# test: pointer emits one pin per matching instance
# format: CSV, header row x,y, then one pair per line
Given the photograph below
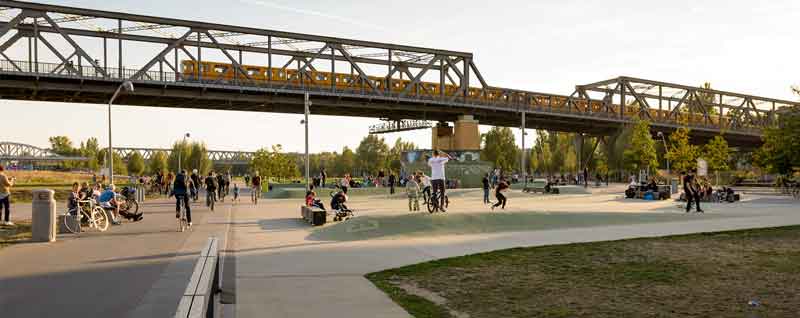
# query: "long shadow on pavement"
x,y
424,224
98,292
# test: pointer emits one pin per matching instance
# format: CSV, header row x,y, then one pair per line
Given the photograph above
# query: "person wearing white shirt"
x,y
437,163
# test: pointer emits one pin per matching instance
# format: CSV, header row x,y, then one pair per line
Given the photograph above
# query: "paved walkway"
x,y
286,269
133,270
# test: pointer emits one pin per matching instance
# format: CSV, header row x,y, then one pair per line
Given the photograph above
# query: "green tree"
x,y
780,152
717,153
198,159
62,145
641,153
274,163
682,155
499,148
136,164
394,159
345,163
371,154
89,149
184,148
158,162
119,165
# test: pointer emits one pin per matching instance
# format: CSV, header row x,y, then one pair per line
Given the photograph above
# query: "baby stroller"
x,y
339,209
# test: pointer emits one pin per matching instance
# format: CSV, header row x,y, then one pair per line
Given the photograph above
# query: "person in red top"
x,y
501,199
312,201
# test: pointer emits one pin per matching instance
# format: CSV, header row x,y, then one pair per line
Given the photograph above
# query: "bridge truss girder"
x,y
216,156
14,151
79,41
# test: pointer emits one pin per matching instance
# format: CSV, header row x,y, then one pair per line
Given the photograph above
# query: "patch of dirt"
x,y
433,297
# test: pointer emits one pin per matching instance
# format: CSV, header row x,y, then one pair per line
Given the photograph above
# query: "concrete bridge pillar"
x,y
464,136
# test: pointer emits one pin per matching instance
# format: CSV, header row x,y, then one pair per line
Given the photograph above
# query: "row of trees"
x,y
372,155
193,155
631,149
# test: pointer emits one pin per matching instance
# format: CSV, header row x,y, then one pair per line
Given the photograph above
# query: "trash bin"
x,y
43,227
673,185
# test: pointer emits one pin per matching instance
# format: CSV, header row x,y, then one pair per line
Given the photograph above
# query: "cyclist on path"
x,y
437,164
181,190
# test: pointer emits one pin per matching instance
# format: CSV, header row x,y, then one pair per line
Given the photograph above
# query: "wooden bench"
x,y
312,216
198,298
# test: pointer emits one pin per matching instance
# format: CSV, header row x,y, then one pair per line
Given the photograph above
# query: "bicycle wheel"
x,y
431,206
133,207
100,219
70,225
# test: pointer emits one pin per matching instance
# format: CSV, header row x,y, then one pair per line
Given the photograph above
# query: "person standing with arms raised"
x,y
5,196
437,164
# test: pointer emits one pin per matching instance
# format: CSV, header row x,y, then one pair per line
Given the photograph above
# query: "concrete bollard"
x,y
43,227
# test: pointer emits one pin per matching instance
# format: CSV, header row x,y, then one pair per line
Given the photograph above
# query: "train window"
x,y
252,72
320,77
220,69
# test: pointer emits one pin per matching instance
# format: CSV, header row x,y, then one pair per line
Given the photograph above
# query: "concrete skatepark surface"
x,y
279,266
285,268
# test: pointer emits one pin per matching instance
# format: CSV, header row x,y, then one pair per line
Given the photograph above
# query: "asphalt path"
x,y
132,270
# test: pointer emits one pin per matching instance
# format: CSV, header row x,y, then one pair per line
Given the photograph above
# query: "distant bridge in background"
x,y
66,54
216,156
14,151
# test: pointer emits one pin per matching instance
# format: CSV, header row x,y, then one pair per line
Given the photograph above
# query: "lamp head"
x,y
188,135
128,86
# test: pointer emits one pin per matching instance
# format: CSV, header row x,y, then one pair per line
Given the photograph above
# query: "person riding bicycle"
x,y
221,187
211,186
437,164
195,185
180,188
255,187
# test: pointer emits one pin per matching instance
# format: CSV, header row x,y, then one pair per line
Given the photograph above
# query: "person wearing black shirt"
x,y
501,199
181,190
486,189
691,192
392,179
211,188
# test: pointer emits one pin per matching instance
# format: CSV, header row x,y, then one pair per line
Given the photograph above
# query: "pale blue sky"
x,y
548,46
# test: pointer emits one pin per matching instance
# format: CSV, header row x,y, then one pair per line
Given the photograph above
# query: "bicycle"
x,y
434,202
255,192
183,223
210,199
89,213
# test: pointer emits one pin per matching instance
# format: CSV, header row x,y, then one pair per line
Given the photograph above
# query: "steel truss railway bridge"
x,y
216,156
66,54
14,151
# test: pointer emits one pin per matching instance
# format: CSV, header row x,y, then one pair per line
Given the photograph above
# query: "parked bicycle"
x,y
89,214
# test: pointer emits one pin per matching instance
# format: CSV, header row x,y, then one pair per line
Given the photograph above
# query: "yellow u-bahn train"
x,y
225,72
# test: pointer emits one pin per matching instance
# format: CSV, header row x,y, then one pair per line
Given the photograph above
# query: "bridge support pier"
x,y
464,136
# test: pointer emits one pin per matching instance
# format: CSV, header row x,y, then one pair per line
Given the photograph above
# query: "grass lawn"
x,y
699,275
14,234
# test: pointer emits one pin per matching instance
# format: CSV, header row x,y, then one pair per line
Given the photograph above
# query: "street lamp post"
x,y
522,165
306,104
180,151
128,87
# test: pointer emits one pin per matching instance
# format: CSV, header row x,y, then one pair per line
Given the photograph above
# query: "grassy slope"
x,y
700,275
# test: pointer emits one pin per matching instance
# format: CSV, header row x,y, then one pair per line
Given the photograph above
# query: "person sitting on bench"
x,y
312,201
